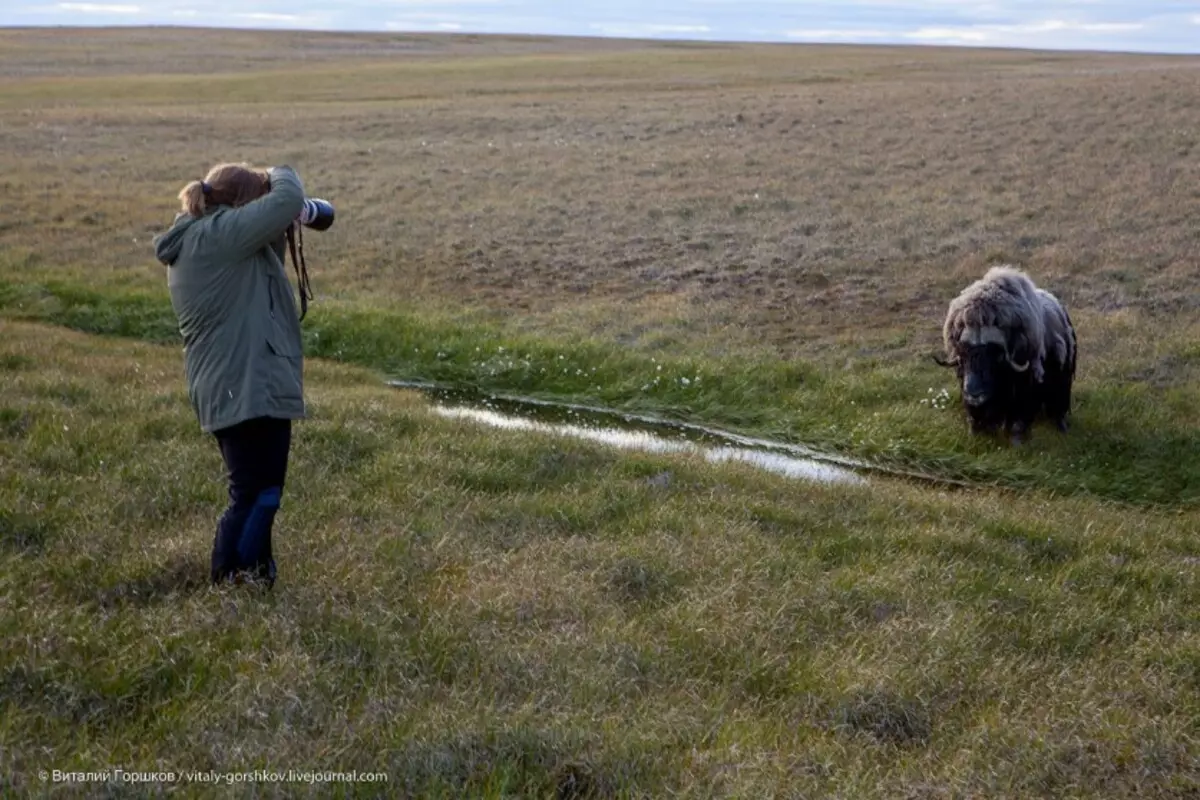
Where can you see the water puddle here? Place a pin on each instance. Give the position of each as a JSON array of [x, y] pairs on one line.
[[637, 432]]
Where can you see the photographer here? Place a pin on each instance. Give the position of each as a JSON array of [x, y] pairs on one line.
[[225, 257]]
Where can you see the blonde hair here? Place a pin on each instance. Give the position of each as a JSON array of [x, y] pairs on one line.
[[224, 185]]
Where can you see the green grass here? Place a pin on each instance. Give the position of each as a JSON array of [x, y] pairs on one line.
[[1127, 444], [480, 613]]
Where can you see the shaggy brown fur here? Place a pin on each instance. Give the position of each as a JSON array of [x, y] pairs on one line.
[[1014, 350], [1002, 307], [1059, 331], [1062, 352]]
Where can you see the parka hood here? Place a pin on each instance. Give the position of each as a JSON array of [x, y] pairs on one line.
[[167, 245]]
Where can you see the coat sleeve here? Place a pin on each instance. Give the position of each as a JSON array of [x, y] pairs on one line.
[[260, 222]]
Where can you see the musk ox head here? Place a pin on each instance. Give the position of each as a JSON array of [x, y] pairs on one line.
[[991, 370], [994, 338]]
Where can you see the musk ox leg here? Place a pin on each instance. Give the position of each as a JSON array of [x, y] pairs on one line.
[[986, 419], [1019, 430], [1058, 398], [979, 427], [1025, 401], [976, 424]]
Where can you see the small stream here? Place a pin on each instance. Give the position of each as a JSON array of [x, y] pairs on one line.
[[636, 432]]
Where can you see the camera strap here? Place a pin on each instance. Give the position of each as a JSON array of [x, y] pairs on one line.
[[295, 237]]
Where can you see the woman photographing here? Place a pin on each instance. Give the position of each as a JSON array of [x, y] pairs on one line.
[[225, 258]]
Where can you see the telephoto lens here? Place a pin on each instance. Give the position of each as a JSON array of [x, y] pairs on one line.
[[317, 214]]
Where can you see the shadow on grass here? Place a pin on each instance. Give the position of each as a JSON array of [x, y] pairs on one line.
[[636, 583], [886, 717], [181, 575], [23, 533], [1134, 464], [525, 763]]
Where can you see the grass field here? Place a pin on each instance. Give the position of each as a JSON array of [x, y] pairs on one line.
[[492, 614]]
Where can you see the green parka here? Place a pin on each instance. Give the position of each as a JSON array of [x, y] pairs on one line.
[[243, 354]]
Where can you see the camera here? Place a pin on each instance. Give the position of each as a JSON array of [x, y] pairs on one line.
[[317, 214]]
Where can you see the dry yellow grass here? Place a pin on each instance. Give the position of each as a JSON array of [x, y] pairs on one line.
[[779, 195]]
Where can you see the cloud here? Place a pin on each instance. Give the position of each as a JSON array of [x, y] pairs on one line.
[[947, 35], [426, 16], [996, 33], [436, 3], [99, 8], [264, 16], [306, 18], [646, 28], [836, 34], [417, 25]]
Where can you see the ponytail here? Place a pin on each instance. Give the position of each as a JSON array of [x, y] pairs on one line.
[[192, 198], [225, 185]]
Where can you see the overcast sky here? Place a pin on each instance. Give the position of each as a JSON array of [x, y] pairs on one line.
[[1160, 26]]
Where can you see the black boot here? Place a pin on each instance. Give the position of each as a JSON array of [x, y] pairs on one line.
[[225, 560], [254, 545]]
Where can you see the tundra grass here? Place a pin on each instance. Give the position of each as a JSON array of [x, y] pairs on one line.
[[1129, 444], [487, 614]]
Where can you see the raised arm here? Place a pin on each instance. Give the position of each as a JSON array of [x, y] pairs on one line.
[[260, 222]]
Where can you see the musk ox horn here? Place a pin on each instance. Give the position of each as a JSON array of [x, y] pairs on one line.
[[941, 362], [1016, 366]]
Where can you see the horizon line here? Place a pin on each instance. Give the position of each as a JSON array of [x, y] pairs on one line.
[[656, 40]]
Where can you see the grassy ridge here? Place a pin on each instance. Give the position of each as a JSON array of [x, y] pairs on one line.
[[488, 614], [1126, 445]]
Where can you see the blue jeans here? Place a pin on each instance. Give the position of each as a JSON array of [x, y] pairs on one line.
[[256, 457]]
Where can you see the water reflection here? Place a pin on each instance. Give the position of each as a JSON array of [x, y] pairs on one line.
[[790, 466]]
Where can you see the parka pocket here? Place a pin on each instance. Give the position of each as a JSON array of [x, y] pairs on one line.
[[281, 346], [285, 370]]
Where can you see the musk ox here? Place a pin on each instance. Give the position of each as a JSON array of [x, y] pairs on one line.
[[1013, 348]]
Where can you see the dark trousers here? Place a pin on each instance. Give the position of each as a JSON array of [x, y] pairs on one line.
[[256, 457]]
